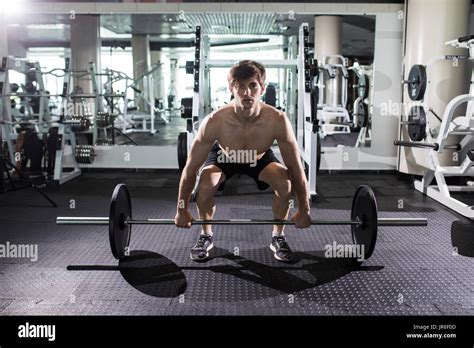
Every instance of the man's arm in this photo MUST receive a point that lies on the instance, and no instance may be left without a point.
(290, 154)
(202, 143)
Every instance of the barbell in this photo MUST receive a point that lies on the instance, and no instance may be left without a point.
(364, 221)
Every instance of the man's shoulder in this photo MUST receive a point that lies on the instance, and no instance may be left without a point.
(220, 113)
(273, 112)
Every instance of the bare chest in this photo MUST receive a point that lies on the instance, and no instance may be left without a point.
(250, 137)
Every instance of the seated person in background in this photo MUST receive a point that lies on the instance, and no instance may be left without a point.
(246, 127)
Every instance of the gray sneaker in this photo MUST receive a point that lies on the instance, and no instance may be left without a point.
(281, 249)
(200, 250)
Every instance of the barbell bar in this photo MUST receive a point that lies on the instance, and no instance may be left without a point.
(434, 146)
(364, 221)
(104, 221)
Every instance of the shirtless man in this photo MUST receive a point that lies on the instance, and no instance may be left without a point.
(244, 124)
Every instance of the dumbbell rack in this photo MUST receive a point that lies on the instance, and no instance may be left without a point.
(6, 117)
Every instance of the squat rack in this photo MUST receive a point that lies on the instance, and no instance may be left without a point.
(303, 67)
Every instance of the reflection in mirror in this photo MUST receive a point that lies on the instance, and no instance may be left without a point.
(138, 89)
(169, 72)
(344, 47)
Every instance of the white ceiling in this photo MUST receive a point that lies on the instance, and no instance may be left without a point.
(358, 31)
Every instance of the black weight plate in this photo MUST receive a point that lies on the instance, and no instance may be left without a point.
(186, 107)
(364, 85)
(314, 104)
(270, 95)
(190, 67)
(364, 208)
(367, 84)
(417, 82)
(470, 154)
(363, 114)
(14, 87)
(51, 148)
(120, 211)
(182, 150)
(33, 150)
(91, 155)
(417, 123)
(318, 152)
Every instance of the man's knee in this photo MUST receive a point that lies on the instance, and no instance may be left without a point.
(282, 184)
(208, 185)
(206, 191)
(282, 188)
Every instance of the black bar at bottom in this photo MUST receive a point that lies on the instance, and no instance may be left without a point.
(313, 330)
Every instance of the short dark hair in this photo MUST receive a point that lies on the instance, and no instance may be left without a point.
(245, 70)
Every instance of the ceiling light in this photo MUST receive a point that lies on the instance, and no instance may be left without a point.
(46, 26)
(220, 27)
(11, 8)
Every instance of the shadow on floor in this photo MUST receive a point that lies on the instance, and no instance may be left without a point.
(155, 275)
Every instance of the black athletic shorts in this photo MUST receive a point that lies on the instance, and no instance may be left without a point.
(250, 169)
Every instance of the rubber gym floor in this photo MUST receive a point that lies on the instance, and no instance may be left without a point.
(413, 271)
